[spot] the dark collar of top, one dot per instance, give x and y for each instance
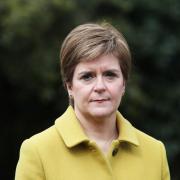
(72, 133)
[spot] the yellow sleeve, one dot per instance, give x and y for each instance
(165, 167)
(29, 166)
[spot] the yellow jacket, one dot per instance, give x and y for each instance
(64, 152)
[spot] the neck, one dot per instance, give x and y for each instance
(101, 130)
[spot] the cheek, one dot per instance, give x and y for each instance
(81, 91)
(117, 91)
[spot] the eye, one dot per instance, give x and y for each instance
(87, 76)
(110, 75)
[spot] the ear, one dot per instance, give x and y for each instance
(69, 88)
(124, 88)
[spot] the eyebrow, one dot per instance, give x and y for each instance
(91, 71)
(113, 70)
(84, 72)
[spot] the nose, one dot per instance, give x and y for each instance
(100, 85)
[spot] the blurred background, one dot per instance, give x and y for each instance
(31, 91)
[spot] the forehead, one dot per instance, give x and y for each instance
(102, 62)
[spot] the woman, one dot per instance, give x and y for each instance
(92, 140)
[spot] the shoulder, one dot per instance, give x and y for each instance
(38, 153)
(154, 152)
(131, 134)
(41, 149)
(146, 138)
(150, 145)
(46, 138)
(44, 144)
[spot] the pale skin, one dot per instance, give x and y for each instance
(97, 88)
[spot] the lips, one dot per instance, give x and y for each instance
(99, 100)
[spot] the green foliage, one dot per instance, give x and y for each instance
(31, 33)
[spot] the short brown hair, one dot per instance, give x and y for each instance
(89, 41)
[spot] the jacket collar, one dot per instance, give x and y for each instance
(70, 129)
(72, 133)
(127, 131)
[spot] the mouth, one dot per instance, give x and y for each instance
(99, 100)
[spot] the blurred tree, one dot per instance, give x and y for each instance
(32, 94)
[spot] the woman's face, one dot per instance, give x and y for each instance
(97, 87)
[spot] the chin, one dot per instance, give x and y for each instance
(102, 112)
